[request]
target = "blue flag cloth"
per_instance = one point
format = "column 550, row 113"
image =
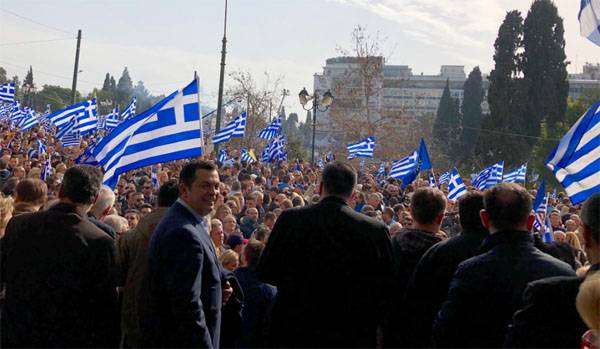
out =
column 517, row 175
column 7, row 93
column 589, row 20
column 576, row 160
column 235, row 128
column 361, row 148
column 271, row 130
column 539, row 198
column 413, row 165
column 456, row 187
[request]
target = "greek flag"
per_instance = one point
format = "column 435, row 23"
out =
column 456, row 188
column 444, row 178
column 235, row 128
column 110, row 121
column 5, row 110
column 432, row 180
column 408, row 168
column 84, row 112
column 168, row 131
column 246, row 156
column 154, row 178
column 70, row 139
column 517, row 175
column 329, row 157
column 47, row 169
column 554, row 195
column 361, row 163
column 29, row 120
column 404, row 166
column 362, row 148
column 489, row 177
column 86, row 157
column 589, row 20
column 275, row 150
column 381, row 172
column 541, row 199
column 321, row 164
column 576, row 160
column 7, row 92
column 16, row 114
column 223, row 156
column 271, row 130
column 130, row 110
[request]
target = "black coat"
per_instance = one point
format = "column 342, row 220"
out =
column 549, row 318
column 487, row 289
column 429, row 285
column 59, row 271
column 332, row 270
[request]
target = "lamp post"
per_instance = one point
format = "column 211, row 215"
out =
column 323, row 101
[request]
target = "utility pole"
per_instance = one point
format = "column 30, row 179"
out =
column 221, row 78
column 76, row 69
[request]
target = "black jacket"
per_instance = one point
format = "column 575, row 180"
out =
column 59, row 271
column 429, row 285
column 332, row 270
column 549, row 318
column 487, row 289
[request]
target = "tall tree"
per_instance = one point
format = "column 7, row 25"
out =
column 471, row 115
column 544, row 67
column 446, row 124
column 3, row 79
column 142, row 95
column 28, row 78
column 501, row 139
column 106, row 84
column 124, row 88
column 113, row 84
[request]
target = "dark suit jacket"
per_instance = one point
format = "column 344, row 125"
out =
column 182, row 306
column 59, row 271
column 549, row 318
column 333, row 272
column 487, row 289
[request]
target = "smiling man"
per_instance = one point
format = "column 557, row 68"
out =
column 182, row 307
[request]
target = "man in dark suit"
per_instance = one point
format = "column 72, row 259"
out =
column 549, row 318
column 181, row 306
column 59, row 271
column 332, row 268
column 487, row 289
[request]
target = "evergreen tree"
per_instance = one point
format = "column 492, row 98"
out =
column 3, row 79
column 544, row 67
column 446, row 125
column 506, row 94
column 142, row 95
column 113, row 84
column 28, row 78
column 106, row 84
column 124, row 88
column 471, row 115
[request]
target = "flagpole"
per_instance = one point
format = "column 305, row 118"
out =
column 76, row 69
column 221, row 78
column 202, row 145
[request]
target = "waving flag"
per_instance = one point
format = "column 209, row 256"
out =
column 271, row 130
column 444, row 178
column 130, row 110
column 489, row 177
column 246, row 156
column 29, row 120
column 589, row 20
column 362, row 148
column 7, row 93
column 432, row 180
column 456, row 188
column 381, row 172
column 517, row 175
column 576, row 160
column 235, row 128
column 84, row 112
column 168, row 131
column 401, row 168
column 223, row 156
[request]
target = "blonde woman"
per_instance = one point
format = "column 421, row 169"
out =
column 6, row 211
column 572, row 239
column 230, row 260
column 588, row 306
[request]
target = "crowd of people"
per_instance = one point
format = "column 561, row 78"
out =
column 194, row 253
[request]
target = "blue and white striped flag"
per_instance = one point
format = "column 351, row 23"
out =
column 168, row 131
column 456, row 187
column 29, row 120
column 576, row 160
column 489, row 177
column 320, row 163
column 70, row 139
column 235, row 128
column 362, row 148
column 16, row 114
column 85, row 112
column 7, row 92
column 112, row 119
column 517, row 175
column 589, row 20
column 403, row 167
column 130, row 110
column 444, row 178
column 432, row 180
column 381, row 171
column 47, row 170
column 540, row 203
column 271, row 130
column 223, row 156
column 275, row 150
column 154, row 178
column 246, row 156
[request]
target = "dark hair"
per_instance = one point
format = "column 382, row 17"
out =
column 269, row 215
column 8, row 189
column 188, row 172
column 133, row 211
column 81, row 184
column 508, row 205
column 252, row 251
column 168, row 193
column 339, row 178
column 31, row 190
column 590, row 215
column 426, row 204
column 262, row 233
column 146, row 205
column 3, row 164
column 469, row 207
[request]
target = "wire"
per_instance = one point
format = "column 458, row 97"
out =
column 49, row 74
column 34, row 21
column 33, row 42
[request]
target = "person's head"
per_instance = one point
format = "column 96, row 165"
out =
column 395, row 228
column 252, row 214
column 387, row 214
column 261, row 233
column 19, row 172
column 590, row 221
column 559, row 236
column 252, row 252
column 118, row 223
column 269, row 220
column 427, row 206
column 137, row 200
column 104, row 202
column 572, row 239
column 168, row 193
column 80, row 185
column 222, row 211
column 373, row 199
column 6, row 211
column 235, row 242
column 147, row 188
column 250, row 200
column 570, row 225
column 145, row 210
column 230, row 260
column 199, row 185
column 32, row 191
column 469, row 206
column 588, row 303
column 133, row 217
column 229, row 224
column 216, row 232
column 339, row 179
column 555, row 218
column 507, row 206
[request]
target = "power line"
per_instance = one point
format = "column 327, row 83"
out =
column 33, row 42
column 34, row 21
column 45, row 73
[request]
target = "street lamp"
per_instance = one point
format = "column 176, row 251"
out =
column 323, row 101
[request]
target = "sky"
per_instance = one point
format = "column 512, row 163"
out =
column 163, row 42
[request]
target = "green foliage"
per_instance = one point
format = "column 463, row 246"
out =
column 28, row 78
column 446, row 127
column 55, row 96
column 124, row 89
column 106, row 86
column 471, row 115
column 295, row 148
column 3, row 79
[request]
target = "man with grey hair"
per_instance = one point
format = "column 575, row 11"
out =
column 548, row 317
column 101, row 208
